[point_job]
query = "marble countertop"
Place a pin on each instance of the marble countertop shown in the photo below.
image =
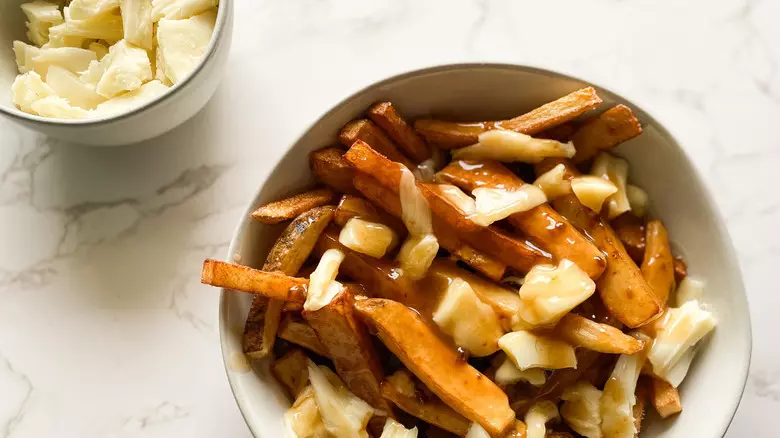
(105, 330)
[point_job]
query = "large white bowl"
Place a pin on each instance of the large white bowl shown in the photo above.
(154, 118)
(713, 388)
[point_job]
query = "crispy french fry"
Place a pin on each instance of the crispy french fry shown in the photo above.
(542, 224)
(582, 332)
(631, 231)
(297, 331)
(448, 238)
(446, 209)
(291, 371)
(658, 264)
(609, 129)
(431, 411)
(367, 131)
(329, 167)
(449, 135)
(385, 115)
(350, 348)
(680, 269)
(354, 206)
(621, 287)
(438, 365)
(287, 255)
(665, 398)
(291, 207)
(274, 285)
(515, 252)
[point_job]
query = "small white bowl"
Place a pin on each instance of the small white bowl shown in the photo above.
(152, 119)
(714, 385)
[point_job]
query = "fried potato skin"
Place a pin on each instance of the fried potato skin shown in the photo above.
(438, 365)
(665, 398)
(658, 263)
(448, 135)
(297, 331)
(631, 231)
(288, 208)
(366, 131)
(329, 167)
(291, 371)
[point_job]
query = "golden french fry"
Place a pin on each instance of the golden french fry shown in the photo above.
(665, 398)
(658, 264)
(329, 167)
(350, 348)
(354, 206)
(543, 225)
(291, 207)
(297, 331)
(274, 285)
(439, 366)
(606, 131)
(448, 238)
(287, 255)
(385, 115)
(367, 131)
(432, 411)
(449, 135)
(291, 371)
(631, 231)
(582, 332)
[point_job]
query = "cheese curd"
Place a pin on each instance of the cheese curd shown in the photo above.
(549, 292)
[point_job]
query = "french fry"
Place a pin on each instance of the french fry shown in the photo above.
(285, 209)
(297, 331)
(448, 238)
(385, 115)
(432, 411)
(658, 264)
(446, 209)
(439, 366)
(288, 254)
(291, 371)
(621, 287)
(631, 231)
(515, 252)
(329, 167)
(543, 225)
(606, 131)
(350, 348)
(680, 269)
(665, 398)
(367, 131)
(603, 338)
(449, 135)
(274, 285)
(642, 393)
(354, 206)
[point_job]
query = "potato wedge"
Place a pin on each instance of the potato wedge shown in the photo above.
(330, 168)
(367, 131)
(515, 252)
(385, 115)
(622, 287)
(449, 135)
(658, 264)
(288, 208)
(354, 206)
(438, 365)
(297, 331)
(288, 254)
(273, 285)
(606, 131)
(582, 332)
(291, 371)
(350, 348)
(665, 398)
(631, 231)
(543, 225)
(432, 411)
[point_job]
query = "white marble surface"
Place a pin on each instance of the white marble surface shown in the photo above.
(105, 330)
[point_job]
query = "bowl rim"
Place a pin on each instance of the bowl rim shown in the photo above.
(224, 9)
(719, 222)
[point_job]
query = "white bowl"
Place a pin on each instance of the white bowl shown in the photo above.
(154, 118)
(713, 388)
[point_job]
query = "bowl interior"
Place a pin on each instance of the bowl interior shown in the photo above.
(12, 28)
(712, 390)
